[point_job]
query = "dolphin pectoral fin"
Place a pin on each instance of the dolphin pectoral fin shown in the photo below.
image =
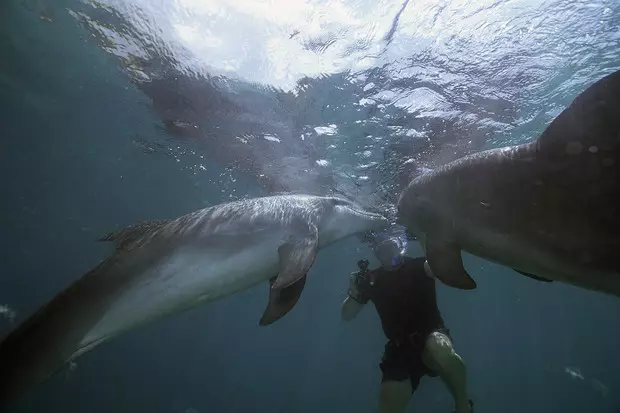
(281, 301)
(444, 260)
(534, 277)
(296, 258)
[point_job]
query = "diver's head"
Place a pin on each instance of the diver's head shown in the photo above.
(390, 252)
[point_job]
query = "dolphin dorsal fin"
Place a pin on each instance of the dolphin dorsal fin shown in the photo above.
(125, 238)
(590, 123)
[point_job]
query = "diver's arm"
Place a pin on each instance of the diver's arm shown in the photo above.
(355, 300)
(350, 308)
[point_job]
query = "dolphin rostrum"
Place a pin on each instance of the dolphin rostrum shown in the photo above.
(549, 209)
(164, 267)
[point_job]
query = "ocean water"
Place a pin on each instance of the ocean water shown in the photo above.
(118, 111)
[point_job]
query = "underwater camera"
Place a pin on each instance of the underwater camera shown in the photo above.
(363, 266)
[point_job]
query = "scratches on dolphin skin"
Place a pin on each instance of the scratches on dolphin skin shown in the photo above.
(164, 267)
(547, 208)
(127, 237)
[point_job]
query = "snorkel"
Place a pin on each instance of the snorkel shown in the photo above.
(390, 250)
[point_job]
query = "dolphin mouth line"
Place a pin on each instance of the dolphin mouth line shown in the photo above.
(365, 214)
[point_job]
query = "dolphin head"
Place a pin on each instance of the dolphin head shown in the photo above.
(421, 205)
(342, 218)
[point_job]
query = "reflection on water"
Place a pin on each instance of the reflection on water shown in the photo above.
(355, 96)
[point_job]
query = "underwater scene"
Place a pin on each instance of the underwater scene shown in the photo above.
(278, 206)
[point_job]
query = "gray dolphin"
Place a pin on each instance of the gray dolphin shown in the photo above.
(164, 267)
(549, 209)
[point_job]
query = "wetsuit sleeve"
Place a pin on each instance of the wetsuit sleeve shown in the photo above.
(359, 288)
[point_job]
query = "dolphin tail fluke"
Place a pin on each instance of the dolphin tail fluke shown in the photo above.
(281, 301)
(446, 264)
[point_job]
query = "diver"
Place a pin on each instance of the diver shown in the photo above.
(418, 344)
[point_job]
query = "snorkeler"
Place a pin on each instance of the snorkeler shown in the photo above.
(418, 344)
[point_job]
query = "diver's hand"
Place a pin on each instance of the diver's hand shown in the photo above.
(354, 292)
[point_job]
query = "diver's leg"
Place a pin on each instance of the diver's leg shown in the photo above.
(396, 384)
(395, 396)
(439, 356)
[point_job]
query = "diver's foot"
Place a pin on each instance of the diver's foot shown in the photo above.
(471, 407)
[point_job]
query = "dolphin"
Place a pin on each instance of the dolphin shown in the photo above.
(549, 209)
(160, 268)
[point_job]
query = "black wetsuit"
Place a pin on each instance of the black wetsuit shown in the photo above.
(407, 305)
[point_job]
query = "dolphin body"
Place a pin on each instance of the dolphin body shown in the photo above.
(164, 267)
(549, 209)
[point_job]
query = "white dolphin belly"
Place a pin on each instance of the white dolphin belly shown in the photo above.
(191, 276)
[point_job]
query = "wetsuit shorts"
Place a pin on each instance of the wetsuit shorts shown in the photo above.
(403, 360)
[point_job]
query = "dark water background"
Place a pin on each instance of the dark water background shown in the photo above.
(88, 146)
